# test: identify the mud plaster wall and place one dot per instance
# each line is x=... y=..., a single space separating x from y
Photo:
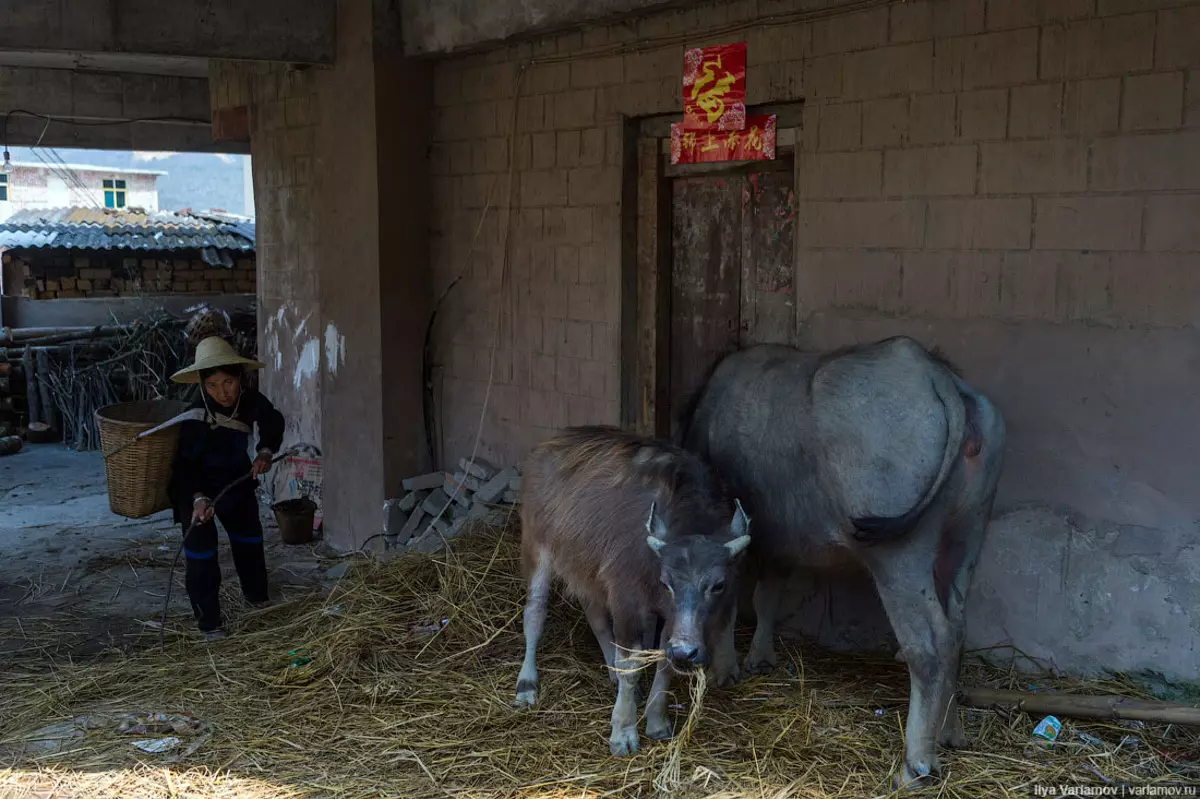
x=1009 y=179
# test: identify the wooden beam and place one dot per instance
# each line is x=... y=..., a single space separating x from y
x=1083 y=706
x=296 y=31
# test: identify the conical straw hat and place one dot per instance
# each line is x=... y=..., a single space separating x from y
x=212 y=352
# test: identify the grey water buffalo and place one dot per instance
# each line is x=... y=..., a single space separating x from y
x=642 y=533
x=878 y=455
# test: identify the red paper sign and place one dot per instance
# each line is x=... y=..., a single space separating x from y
x=714 y=87
x=755 y=143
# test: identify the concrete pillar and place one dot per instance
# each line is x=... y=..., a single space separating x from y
x=348 y=250
x=373 y=252
x=340 y=189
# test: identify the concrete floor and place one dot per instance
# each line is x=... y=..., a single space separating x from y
x=74 y=577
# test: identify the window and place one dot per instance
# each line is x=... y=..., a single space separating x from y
x=3 y=188
x=114 y=194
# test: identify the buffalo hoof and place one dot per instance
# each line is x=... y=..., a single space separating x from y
x=952 y=737
x=763 y=666
x=623 y=742
x=526 y=694
x=724 y=678
x=914 y=777
x=659 y=730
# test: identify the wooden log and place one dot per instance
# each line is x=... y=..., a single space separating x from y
x=91 y=334
x=1083 y=706
x=88 y=348
x=49 y=409
x=32 y=395
x=19 y=333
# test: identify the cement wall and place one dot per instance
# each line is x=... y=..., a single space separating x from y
x=404 y=274
x=109 y=96
x=447 y=27
x=1012 y=180
x=22 y=312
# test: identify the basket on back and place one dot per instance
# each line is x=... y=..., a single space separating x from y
x=138 y=475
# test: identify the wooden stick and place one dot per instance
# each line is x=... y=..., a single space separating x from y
x=1083 y=706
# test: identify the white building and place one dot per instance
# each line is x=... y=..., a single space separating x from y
x=38 y=185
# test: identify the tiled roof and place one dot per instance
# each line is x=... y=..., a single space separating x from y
x=218 y=237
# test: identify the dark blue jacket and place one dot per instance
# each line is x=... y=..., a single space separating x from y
x=208 y=459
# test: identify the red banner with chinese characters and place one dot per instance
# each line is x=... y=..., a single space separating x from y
x=755 y=143
x=714 y=87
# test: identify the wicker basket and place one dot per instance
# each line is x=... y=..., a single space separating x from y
x=138 y=475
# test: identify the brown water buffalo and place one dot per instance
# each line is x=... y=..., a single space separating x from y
x=878 y=455
x=639 y=531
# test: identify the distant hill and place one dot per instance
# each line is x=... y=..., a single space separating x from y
x=193 y=180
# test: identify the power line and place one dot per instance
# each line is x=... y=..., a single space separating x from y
x=78 y=181
x=67 y=177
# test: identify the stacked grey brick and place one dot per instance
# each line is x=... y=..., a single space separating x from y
x=438 y=506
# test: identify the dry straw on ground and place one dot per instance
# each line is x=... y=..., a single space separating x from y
x=395 y=704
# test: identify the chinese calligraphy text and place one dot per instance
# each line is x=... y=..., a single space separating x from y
x=755 y=143
x=714 y=87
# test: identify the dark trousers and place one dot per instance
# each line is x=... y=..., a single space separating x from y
x=238 y=514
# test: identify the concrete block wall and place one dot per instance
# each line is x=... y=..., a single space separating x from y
x=556 y=357
x=1011 y=180
x=1033 y=166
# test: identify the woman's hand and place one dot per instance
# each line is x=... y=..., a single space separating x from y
x=262 y=464
x=202 y=510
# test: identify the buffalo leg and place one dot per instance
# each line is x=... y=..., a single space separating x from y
x=724 y=669
x=963 y=538
x=535 y=621
x=931 y=648
x=623 y=741
x=597 y=616
x=957 y=556
x=761 y=658
x=658 y=726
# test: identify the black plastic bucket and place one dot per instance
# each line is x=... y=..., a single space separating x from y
x=295 y=519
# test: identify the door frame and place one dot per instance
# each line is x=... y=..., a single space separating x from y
x=646 y=255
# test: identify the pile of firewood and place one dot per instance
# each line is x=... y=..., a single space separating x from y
x=58 y=377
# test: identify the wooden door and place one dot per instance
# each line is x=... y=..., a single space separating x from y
x=768 y=312
x=732 y=269
x=706 y=277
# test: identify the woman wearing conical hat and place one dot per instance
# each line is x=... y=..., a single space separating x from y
x=211 y=455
